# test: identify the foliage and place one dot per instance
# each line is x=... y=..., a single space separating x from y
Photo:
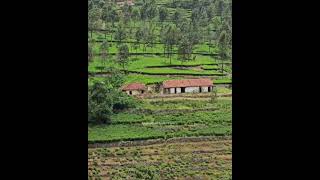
x=143 y=125
x=104 y=97
x=123 y=55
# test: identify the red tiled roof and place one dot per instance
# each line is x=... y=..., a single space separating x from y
x=187 y=83
x=134 y=86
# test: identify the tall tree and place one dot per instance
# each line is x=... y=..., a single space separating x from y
x=104 y=51
x=177 y=16
x=121 y=33
x=185 y=49
x=123 y=56
x=90 y=53
x=94 y=20
x=222 y=44
x=135 y=15
x=170 y=39
x=163 y=14
x=139 y=35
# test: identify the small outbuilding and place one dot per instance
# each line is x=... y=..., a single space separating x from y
x=134 y=88
x=187 y=86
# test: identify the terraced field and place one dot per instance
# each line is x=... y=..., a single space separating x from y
x=201 y=158
x=166 y=119
x=178 y=136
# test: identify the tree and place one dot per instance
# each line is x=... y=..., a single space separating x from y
x=121 y=33
x=104 y=50
x=139 y=35
x=135 y=15
x=163 y=14
x=185 y=49
x=94 y=20
x=177 y=16
x=105 y=97
x=210 y=12
x=100 y=103
x=150 y=34
x=170 y=39
x=222 y=44
x=123 y=56
x=90 y=53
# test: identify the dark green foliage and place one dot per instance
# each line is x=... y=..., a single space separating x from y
x=123 y=55
x=105 y=97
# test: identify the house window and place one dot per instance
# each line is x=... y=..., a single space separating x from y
x=130 y=92
x=183 y=89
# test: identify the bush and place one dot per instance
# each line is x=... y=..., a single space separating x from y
x=104 y=97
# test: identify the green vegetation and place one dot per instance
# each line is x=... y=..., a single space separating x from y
x=203 y=159
x=143 y=123
x=104 y=98
x=150 y=42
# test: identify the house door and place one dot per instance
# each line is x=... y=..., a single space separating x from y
x=183 y=90
x=200 y=90
x=209 y=89
x=175 y=90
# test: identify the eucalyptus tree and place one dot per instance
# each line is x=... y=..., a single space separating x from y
x=104 y=51
x=223 y=48
x=135 y=15
x=170 y=39
x=123 y=55
x=94 y=19
x=177 y=16
x=121 y=33
x=139 y=35
x=163 y=14
x=185 y=49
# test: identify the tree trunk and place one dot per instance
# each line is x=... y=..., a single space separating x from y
x=91 y=34
x=222 y=65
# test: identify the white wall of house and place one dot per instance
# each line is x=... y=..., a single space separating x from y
x=172 y=90
x=134 y=92
x=189 y=90
x=206 y=89
x=178 y=90
x=192 y=89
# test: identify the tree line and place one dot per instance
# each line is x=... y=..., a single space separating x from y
x=210 y=22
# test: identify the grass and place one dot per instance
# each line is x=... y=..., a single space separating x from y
x=139 y=125
x=172 y=71
x=140 y=64
x=146 y=79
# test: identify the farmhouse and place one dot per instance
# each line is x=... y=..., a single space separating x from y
x=134 y=89
x=187 y=86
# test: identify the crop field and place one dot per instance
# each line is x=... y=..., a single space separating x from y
x=166 y=119
x=200 y=159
